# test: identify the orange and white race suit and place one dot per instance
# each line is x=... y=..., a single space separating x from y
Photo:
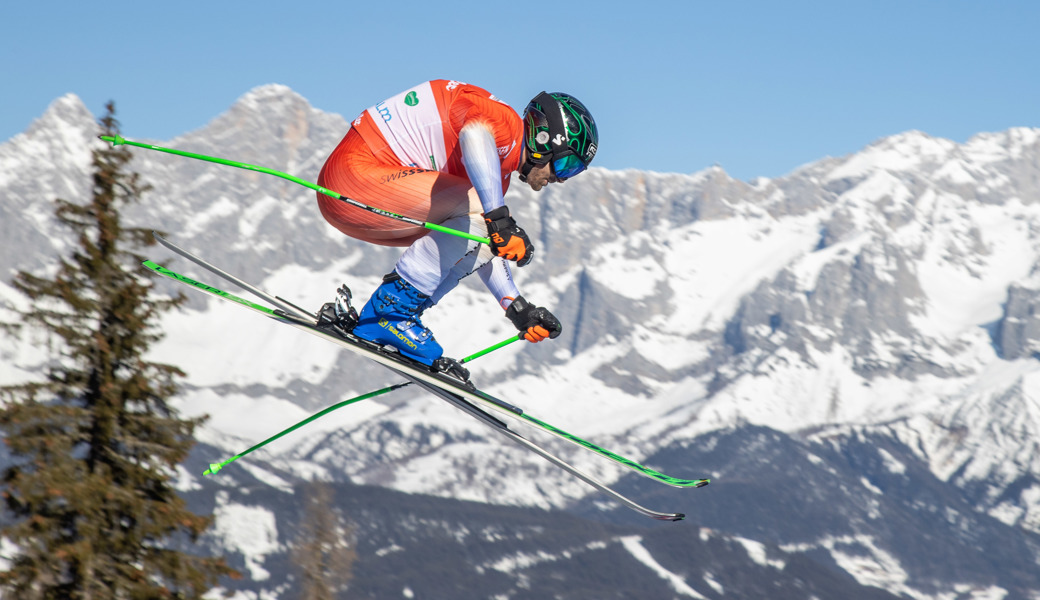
x=403 y=155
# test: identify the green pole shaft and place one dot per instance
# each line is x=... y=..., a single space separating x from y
x=214 y=467
x=121 y=141
x=515 y=338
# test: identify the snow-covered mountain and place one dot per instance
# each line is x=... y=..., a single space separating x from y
x=849 y=351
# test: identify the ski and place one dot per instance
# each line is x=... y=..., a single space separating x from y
x=289 y=310
x=462 y=394
x=406 y=372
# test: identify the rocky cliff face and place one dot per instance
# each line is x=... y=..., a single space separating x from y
x=862 y=329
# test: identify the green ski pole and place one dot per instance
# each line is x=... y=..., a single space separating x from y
x=121 y=141
x=214 y=467
x=503 y=343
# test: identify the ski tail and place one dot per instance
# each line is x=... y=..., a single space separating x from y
x=284 y=305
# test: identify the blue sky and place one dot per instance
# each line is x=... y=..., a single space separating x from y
x=758 y=87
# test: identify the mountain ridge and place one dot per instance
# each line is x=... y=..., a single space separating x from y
x=887 y=293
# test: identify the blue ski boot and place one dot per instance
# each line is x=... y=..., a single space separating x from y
x=391 y=317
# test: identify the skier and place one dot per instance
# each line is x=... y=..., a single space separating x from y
x=442 y=152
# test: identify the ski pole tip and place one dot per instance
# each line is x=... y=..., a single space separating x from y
x=213 y=468
x=115 y=140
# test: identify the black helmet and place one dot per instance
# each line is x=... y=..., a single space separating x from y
x=558 y=128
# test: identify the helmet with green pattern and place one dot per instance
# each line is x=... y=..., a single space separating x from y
x=558 y=130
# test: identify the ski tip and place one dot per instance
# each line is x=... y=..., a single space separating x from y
x=666 y=516
x=702 y=483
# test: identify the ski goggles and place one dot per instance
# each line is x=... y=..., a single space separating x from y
x=567 y=166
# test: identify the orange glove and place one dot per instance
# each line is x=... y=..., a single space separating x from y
x=535 y=322
x=507 y=240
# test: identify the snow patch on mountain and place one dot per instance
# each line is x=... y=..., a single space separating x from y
x=891 y=292
x=248 y=530
x=635 y=548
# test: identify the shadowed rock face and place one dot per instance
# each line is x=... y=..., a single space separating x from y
x=861 y=312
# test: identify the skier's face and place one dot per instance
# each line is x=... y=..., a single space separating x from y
x=541 y=176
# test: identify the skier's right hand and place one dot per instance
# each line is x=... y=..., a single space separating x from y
x=507 y=240
x=535 y=322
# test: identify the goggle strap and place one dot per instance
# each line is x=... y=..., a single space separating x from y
x=525 y=170
x=551 y=110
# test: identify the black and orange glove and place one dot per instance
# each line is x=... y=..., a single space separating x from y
x=535 y=322
x=507 y=240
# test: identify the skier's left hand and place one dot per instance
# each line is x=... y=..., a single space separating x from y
x=535 y=322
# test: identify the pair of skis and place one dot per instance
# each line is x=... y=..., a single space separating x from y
x=461 y=394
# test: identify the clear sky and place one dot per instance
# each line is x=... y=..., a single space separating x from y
x=758 y=87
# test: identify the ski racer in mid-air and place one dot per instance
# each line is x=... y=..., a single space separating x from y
x=442 y=152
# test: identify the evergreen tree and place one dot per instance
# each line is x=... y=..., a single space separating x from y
x=95 y=443
x=323 y=552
